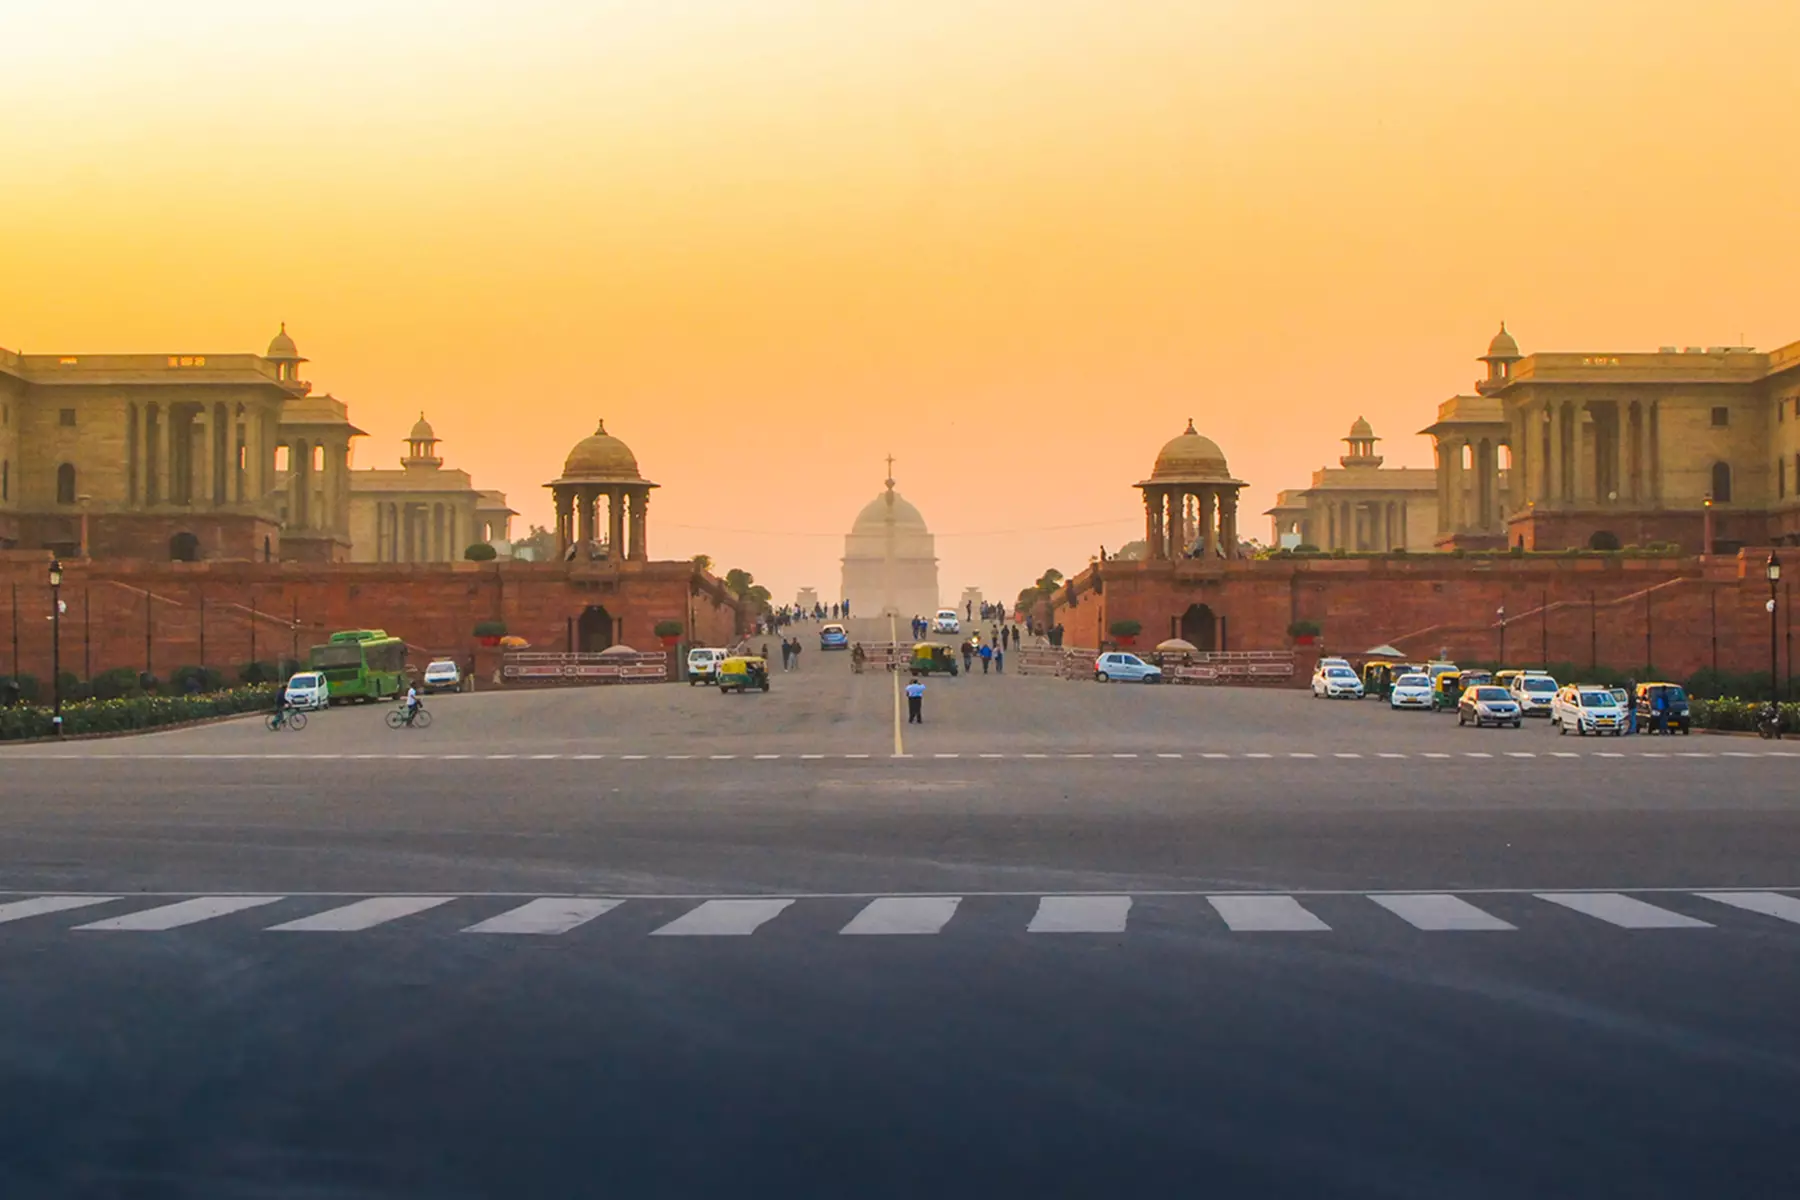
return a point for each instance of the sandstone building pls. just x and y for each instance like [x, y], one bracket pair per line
[1359, 504]
[890, 559]
[423, 512]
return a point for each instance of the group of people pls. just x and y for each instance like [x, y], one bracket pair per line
[789, 614]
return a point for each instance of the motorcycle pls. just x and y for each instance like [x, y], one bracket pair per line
[1768, 722]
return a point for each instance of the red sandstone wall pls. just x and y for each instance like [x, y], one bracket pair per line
[434, 608]
[1680, 615]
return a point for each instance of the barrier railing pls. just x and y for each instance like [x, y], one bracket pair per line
[536, 666]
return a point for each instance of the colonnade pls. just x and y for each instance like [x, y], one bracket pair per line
[196, 454]
[578, 518]
[1590, 454]
[418, 531]
[1378, 525]
[1173, 526]
[1476, 477]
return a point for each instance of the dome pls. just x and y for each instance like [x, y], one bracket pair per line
[873, 519]
[282, 348]
[1503, 345]
[1361, 431]
[421, 431]
[601, 457]
[1191, 458]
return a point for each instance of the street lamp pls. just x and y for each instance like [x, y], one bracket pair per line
[1501, 613]
[1772, 569]
[56, 645]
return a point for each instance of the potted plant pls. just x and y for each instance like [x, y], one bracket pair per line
[489, 633]
[1304, 633]
[668, 631]
[1126, 631]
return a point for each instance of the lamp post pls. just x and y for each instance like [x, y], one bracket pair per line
[56, 645]
[1706, 534]
[1501, 613]
[1772, 569]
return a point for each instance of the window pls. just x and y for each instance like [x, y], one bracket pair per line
[318, 458]
[65, 484]
[66, 417]
[1721, 483]
[5, 481]
[1721, 417]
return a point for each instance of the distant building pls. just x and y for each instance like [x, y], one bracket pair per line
[890, 559]
[423, 512]
[1359, 504]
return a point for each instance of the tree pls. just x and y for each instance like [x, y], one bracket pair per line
[540, 542]
[743, 585]
[702, 562]
[480, 552]
[1049, 581]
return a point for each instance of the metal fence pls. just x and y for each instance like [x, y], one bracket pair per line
[543, 667]
[1201, 667]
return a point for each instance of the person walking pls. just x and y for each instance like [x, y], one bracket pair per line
[968, 649]
[915, 703]
[1631, 706]
[797, 648]
[987, 656]
[765, 654]
[1000, 660]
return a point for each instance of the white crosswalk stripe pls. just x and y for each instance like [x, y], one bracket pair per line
[1627, 912]
[1770, 904]
[183, 912]
[546, 915]
[1265, 914]
[1080, 914]
[1440, 911]
[363, 914]
[904, 914]
[18, 910]
[724, 918]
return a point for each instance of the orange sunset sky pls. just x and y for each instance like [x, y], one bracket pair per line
[1018, 243]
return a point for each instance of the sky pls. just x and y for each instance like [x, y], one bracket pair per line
[1016, 243]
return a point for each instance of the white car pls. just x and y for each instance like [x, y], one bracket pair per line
[703, 664]
[1411, 691]
[946, 622]
[441, 675]
[308, 690]
[1333, 682]
[1587, 708]
[1128, 667]
[1536, 694]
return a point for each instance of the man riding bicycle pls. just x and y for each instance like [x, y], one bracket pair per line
[412, 704]
[279, 718]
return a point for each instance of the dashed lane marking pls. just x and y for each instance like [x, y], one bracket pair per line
[1299, 755]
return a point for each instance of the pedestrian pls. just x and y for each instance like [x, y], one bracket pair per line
[915, 703]
[969, 611]
[999, 660]
[1631, 706]
[797, 649]
[968, 650]
[987, 656]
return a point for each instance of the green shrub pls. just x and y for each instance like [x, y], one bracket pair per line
[114, 684]
[1732, 713]
[1306, 548]
[1303, 629]
[257, 672]
[490, 629]
[128, 713]
[28, 687]
[480, 552]
[192, 680]
[1125, 628]
[667, 629]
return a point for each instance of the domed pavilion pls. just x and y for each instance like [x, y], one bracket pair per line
[600, 467]
[890, 558]
[1190, 500]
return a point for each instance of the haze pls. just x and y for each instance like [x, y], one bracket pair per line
[1018, 244]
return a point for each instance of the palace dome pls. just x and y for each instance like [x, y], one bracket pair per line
[421, 431]
[1361, 431]
[601, 457]
[873, 519]
[282, 348]
[1191, 458]
[1503, 345]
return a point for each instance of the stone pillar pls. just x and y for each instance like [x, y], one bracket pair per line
[615, 523]
[640, 503]
[1209, 531]
[1228, 523]
[1443, 485]
[200, 458]
[585, 500]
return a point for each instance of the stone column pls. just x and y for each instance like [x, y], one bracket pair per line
[640, 546]
[1228, 523]
[1209, 531]
[1152, 532]
[1443, 485]
[200, 458]
[615, 523]
[585, 499]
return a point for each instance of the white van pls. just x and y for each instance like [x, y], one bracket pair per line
[703, 664]
[946, 622]
[308, 690]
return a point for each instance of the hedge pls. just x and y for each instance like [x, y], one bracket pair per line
[1733, 713]
[129, 713]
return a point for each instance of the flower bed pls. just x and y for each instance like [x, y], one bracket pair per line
[1731, 713]
[130, 713]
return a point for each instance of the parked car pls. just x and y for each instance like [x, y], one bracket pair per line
[1676, 717]
[1128, 667]
[1488, 704]
[1535, 692]
[703, 664]
[833, 637]
[307, 690]
[1588, 708]
[946, 622]
[1411, 691]
[441, 675]
[1334, 682]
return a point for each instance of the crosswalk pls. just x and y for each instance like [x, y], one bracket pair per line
[922, 915]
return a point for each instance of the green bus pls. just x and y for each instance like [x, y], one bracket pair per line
[363, 664]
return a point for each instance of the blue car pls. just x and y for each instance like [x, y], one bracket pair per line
[833, 637]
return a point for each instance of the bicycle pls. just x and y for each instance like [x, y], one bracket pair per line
[286, 719]
[397, 717]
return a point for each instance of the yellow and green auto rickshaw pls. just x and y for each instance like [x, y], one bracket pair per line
[1378, 676]
[1449, 687]
[743, 673]
[929, 658]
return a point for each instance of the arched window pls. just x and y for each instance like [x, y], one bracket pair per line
[1721, 483]
[65, 484]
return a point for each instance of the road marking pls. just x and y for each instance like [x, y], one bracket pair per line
[1034, 756]
[822, 756]
[449, 757]
[1623, 911]
[903, 914]
[634, 757]
[1301, 754]
[993, 756]
[185, 912]
[1078, 756]
[1739, 754]
[721, 757]
[1440, 911]
[535, 756]
[765, 756]
[1771, 904]
[675, 757]
[1346, 754]
[1124, 756]
[18, 910]
[1608, 754]
[587, 756]
[545, 915]
[1521, 754]
[1431, 754]
[1391, 756]
[1265, 914]
[491, 756]
[1693, 754]
[1168, 756]
[1476, 754]
[723, 918]
[946, 756]
[1080, 914]
[361, 915]
[1253, 754]
[1564, 754]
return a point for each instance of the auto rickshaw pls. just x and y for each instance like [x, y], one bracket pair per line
[1447, 689]
[743, 673]
[1378, 676]
[929, 658]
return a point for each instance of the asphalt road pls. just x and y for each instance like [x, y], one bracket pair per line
[1080, 940]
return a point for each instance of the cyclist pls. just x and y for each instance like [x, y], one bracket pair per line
[281, 708]
[412, 703]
